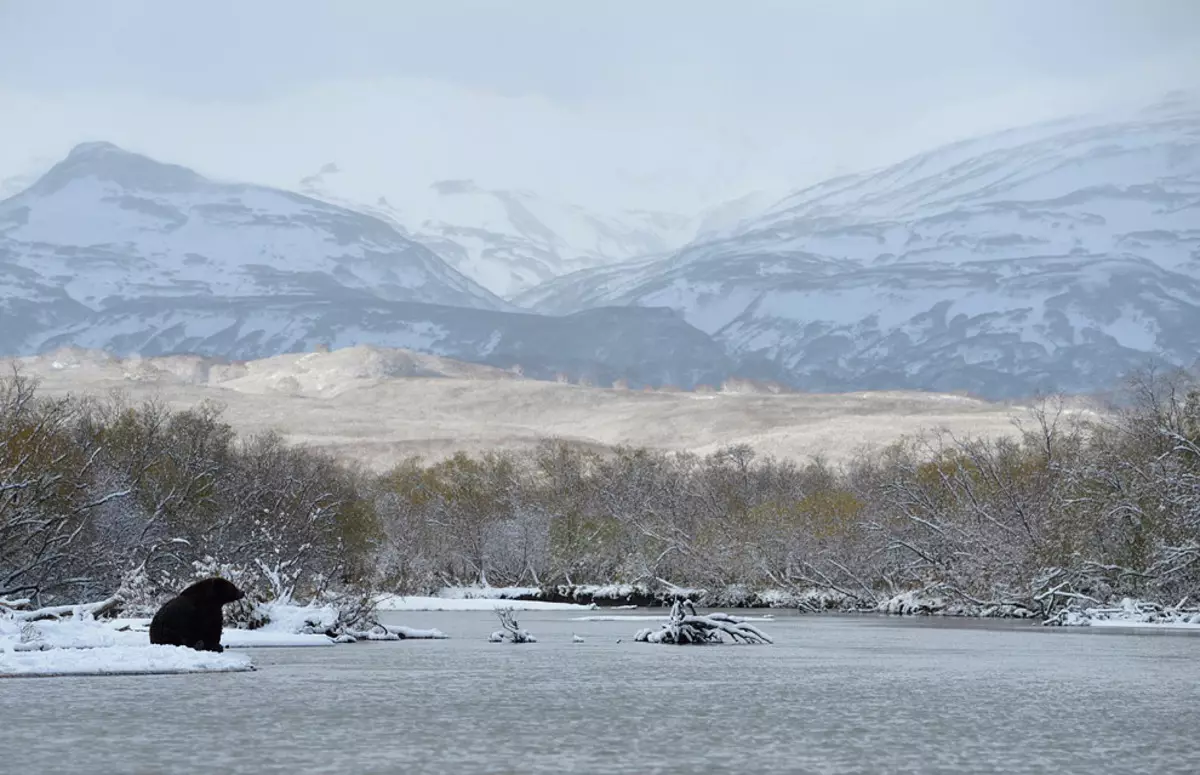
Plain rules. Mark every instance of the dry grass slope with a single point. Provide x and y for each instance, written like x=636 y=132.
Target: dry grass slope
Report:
x=379 y=405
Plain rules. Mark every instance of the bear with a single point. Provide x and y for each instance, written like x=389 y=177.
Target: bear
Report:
x=193 y=618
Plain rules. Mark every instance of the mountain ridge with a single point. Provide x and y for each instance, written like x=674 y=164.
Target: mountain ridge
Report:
x=512 y=240
x=1056 y=257
x=1053 y=257
x=113 y=250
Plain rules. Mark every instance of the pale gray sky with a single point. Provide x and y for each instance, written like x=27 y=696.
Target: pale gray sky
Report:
x=664 y=103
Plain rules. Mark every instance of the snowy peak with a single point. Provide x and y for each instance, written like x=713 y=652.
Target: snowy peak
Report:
x=1153 y=155
x=116 y=251
x=1056 y=256
x=509 y=240
x=109 y=163
x=106 y=226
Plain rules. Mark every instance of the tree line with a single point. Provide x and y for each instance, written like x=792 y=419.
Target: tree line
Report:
x=1071 y=508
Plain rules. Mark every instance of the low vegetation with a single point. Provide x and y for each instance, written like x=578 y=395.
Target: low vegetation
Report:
x=98 y=496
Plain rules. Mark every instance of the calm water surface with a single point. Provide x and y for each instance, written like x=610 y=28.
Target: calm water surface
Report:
x=833 y=695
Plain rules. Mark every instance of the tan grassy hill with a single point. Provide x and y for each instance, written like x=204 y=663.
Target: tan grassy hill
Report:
x=379 y=405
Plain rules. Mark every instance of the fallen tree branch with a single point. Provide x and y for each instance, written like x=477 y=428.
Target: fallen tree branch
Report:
x=512 y=631
x=686 y=627
x=94 y=610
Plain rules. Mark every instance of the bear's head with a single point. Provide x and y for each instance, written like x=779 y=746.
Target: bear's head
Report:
x=213 y=591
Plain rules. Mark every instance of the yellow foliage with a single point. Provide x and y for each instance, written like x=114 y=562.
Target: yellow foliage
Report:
x=830 y=513
x=820 y=514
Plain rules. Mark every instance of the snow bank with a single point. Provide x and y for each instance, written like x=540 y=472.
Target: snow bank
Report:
x=606 y=591
x=273 y=635
x=79 y=644
x=118 y=660
x=489 y=593
x=421 y=603
x=661 y=594
x=1133 y=614
x=743 y=596
x=83 y=646
x=68 y=634
x=286 y=625
x=629 y=595
x=922 y=603
x=290 y=618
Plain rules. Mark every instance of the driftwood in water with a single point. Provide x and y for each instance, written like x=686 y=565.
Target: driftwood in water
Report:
x=512 y=631
x=686 y=627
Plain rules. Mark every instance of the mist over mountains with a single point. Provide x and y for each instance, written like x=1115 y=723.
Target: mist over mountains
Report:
x=1052 y=257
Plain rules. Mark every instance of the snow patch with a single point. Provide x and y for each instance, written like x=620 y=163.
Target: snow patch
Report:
x=1130 y=613
x=119 y=660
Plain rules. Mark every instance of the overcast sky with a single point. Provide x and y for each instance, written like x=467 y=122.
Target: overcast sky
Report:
x=646 y=103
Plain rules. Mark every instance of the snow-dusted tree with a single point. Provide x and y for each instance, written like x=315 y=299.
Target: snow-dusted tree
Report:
x=100 y=496
x=49 y=493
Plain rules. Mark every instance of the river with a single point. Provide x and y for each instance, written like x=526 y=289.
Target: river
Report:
x=834 y=694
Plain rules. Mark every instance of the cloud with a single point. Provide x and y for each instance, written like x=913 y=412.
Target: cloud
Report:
x=663 y=105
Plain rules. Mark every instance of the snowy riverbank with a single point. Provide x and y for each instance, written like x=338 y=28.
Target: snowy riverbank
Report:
x=1134 y=614
x=609 y=597
x=84 y=646
x=71 y=641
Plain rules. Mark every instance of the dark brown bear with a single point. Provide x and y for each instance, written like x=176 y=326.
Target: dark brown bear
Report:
x=193 y=618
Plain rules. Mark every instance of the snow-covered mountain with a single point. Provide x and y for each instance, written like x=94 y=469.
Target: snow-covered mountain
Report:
x=510 y=241
x=105 y=223
x=1057 y=256
x=116 y=251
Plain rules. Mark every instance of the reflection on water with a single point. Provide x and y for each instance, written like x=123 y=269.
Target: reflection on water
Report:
x=834 y=694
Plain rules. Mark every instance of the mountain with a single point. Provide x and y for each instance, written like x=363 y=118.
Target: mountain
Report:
x=510 y=241
x=105 y=223
x=1053 y=257
x=116 y=251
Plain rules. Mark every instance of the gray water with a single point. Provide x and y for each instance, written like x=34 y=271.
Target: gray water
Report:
x=832 y=695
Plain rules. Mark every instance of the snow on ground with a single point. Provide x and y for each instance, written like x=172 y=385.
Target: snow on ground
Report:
x=119 y=660
x=82 y=645
x=423 y=603
x=489 y=593
x=270 y=636
x=69 y=634
x=1131 y=613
